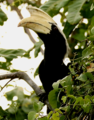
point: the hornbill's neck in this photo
(52, 67)
(55, 46)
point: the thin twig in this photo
(5, 85)
(24, 76)
(27, 31)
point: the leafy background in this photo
(77, 19)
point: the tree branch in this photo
(21, 17)
(24, 76)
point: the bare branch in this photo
(21, 17)
(24, 76)
(6, 84)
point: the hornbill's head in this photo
(43, 25)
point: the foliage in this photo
(76, 91)
(3, 17)
(19, 108)
(9, 55)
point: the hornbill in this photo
(52, 67)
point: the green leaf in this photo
(72, 70)
(78, 100)
(66, 108)
(3, 17)
(66, 81)
(36, 72)
(87, 52)
(74, 8)
(50, 114)
(92, 31)
(1, 21)
(27, 53)
(62, 117)
(56, 85)
(13, 108)
(92, 98)
(68, 28)
(2, 112)
(92, 7)
(5, 65)
(20, 115)
(87, 104)
(89, 76)
(32, 115)
(64, 98)
(72, 96)
(52, 7)
(82, 77)
(80, 35)
(86, 12)
(88, 97)
(9, 54)
(37, 106)
(1, 118)
(67, 84)
(91, 38)
(52, 97)
(92, 22)
(27, 105)
(55, 116)
(37, 47)
(37, 50)
(15, 92)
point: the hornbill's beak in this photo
(39, 21)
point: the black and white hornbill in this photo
(52, 67)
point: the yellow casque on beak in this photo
(39, 21)
(36, 23)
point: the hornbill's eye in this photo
(55, 28)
